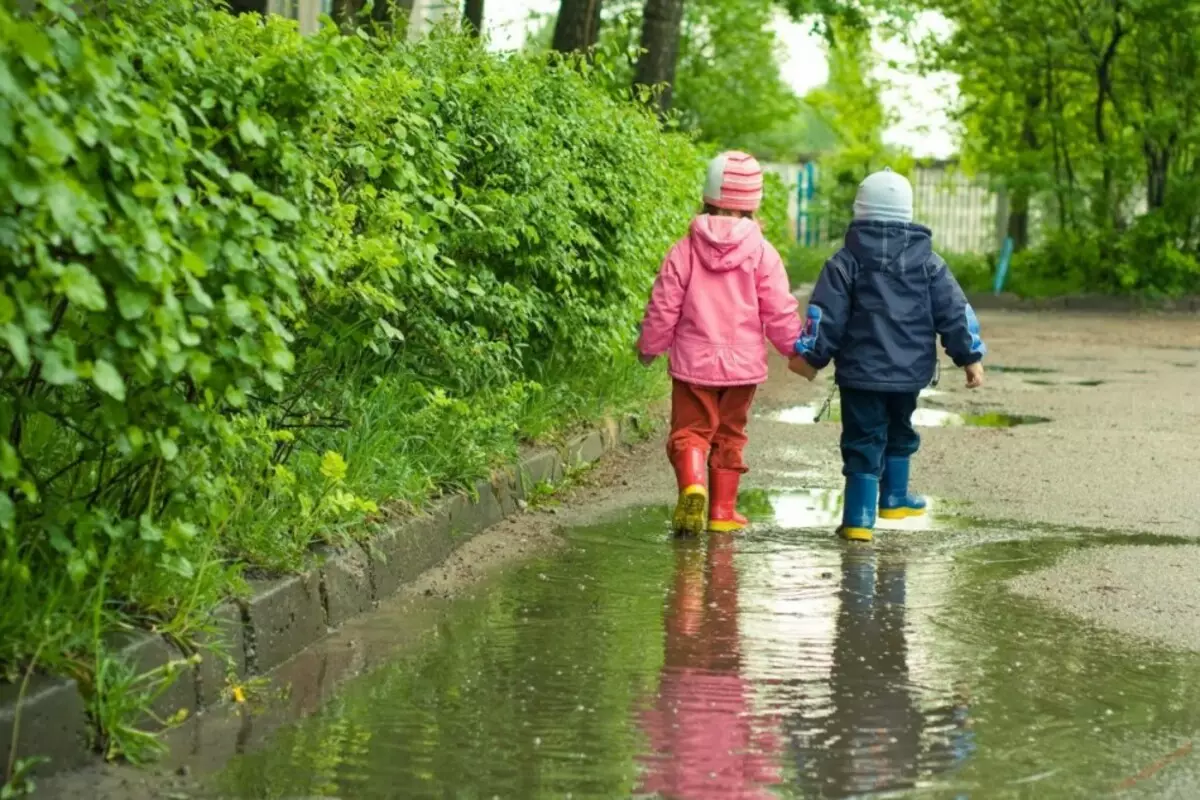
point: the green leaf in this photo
(132, 304)
(148, 531)
(8, 309)
(18, 343)
(63, 203)
(240, 182)
(82, 288)
(8, 512)
(250, 132)
(168, 448)
(49, 142)
(333, 466)
(108, 380)
(10, 463)
(277, 207)
(56, 371)
(77, 568)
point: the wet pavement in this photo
(946, 660)
(781, 663)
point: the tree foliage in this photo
(1086, 111)
(254, 283)
(850, 105)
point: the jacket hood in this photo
(884, 244)
(726, 243)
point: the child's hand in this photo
(974, 375)
(800, 366)
(645, 359)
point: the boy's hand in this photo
(645, 359)
(800, 366)
(974, 375)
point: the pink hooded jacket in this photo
(720, 289)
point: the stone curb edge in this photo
(284, 616)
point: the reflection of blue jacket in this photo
(879, 306)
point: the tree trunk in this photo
(578, 26)
(661, 23)
(1158, 164)
(1018, 218)
(248, 6)
(473, 17)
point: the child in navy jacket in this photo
(877, 309)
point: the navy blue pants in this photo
(875, 425)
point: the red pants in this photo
(703, 416)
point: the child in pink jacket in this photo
(721, 288)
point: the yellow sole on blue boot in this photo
(691, 512)
(856, 534)
(900, 513)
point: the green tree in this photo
(1085, 110)
(850, 104)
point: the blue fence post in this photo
(1002, 265)
(805, 189)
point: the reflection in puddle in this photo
(767, 664)
(816, 508)
(799, 415)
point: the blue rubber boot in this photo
(858, 508)
(894, 500)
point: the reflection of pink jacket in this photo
(720, 289)
(707, 744)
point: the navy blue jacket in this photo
(879, 306)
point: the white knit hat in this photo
(884, 196)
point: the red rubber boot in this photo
(693, 496)
(723, 516)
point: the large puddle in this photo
(776, 664)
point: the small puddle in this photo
(778, 663)
(922, 417)
(819, 509)
(1043, 382)
(1019, 370)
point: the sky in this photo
(920, 102)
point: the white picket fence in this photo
(964, 213)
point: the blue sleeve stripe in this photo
(812, 331)
(977, 345)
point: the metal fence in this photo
(965, 215)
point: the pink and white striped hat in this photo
(735, 182)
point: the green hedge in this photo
(256, 283)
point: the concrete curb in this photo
(284, 616)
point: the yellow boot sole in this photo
(726, 526)
(691, 512)
(900, 513)
(856, 534)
